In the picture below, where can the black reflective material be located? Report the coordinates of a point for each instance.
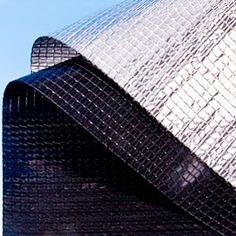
(58, 179)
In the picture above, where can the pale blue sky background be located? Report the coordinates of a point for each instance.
(22, 21)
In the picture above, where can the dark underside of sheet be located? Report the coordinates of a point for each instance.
(81, 158)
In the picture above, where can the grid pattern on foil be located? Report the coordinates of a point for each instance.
(177, 59)
(59, 180)
(149, 149)
(47, 52)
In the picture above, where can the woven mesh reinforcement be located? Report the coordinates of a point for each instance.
(177, 59)
(82, 157)
(34, 135)
(59, 180)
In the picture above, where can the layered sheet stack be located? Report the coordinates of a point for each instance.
(126, 125)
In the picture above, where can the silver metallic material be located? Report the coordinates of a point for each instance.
(177, 58)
